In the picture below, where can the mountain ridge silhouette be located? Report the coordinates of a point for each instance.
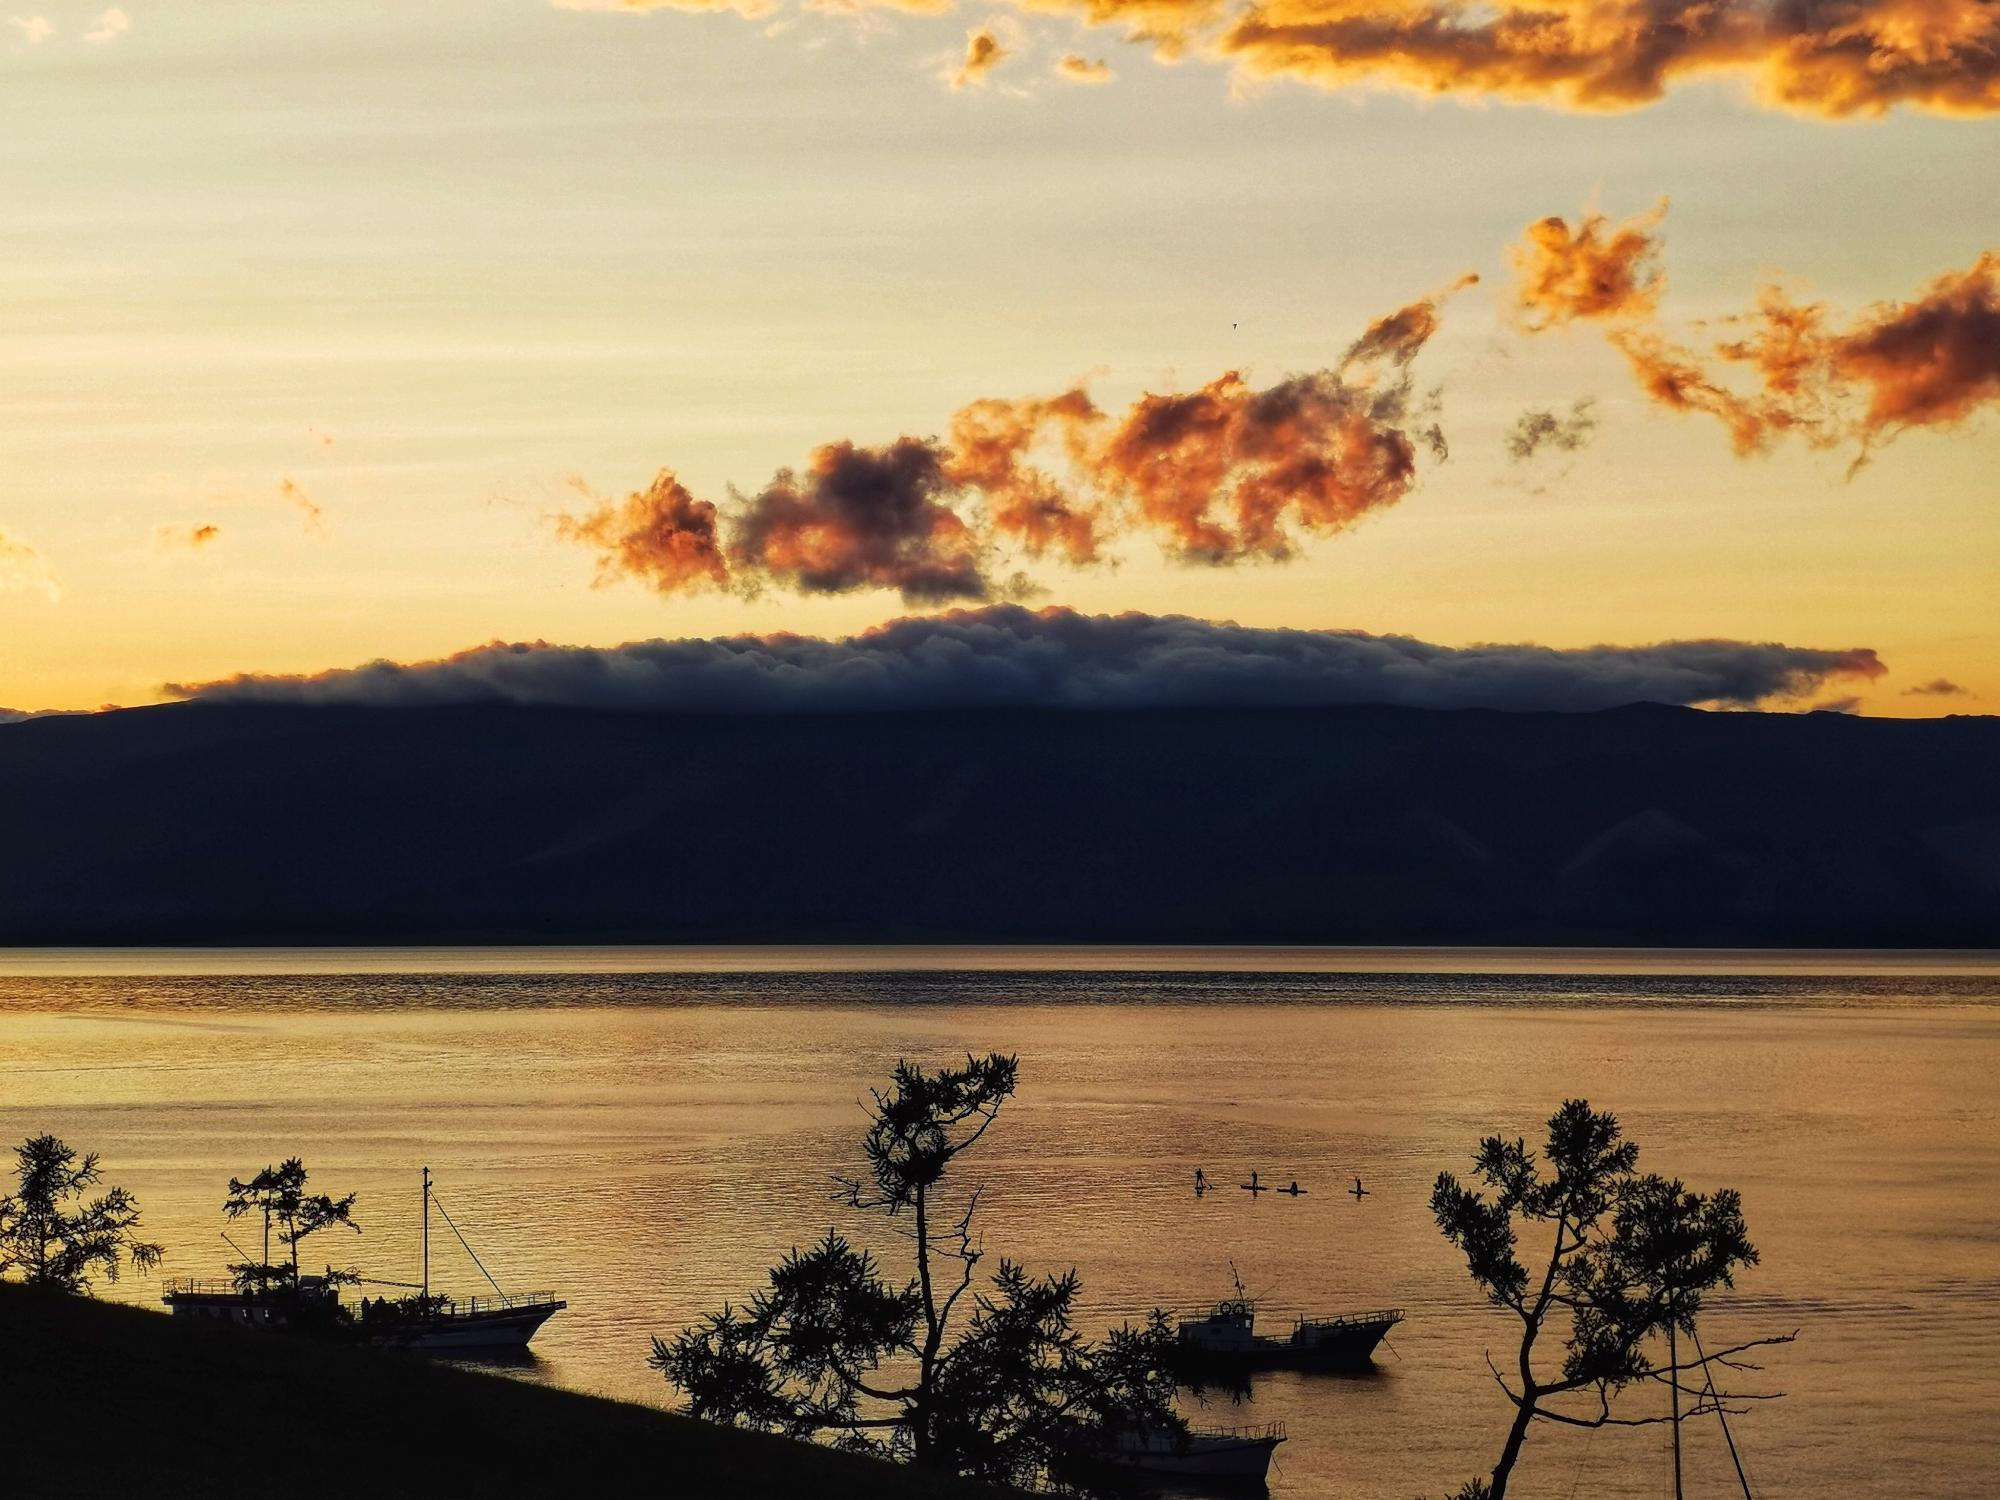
(1646, 825)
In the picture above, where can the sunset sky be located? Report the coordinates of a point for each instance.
(317, 321)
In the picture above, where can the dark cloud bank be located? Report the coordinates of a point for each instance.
(1009, 656)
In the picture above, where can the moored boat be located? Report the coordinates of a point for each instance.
(1239, 1453)
(424, 1321)
(436, 1322)
(504, 1323)
(1229, 1336)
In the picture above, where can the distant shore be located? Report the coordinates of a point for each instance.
(104, 1400)
(165, 960)
(1641, 826)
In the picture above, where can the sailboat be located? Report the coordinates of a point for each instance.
(439, 1322)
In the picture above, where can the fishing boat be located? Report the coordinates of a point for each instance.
(1228, 1336)
(1238, 1453)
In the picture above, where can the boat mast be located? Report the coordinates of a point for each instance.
(427, 1234)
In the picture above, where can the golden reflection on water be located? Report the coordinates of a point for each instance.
(646, 1151)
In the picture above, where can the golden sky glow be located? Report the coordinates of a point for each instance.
(319, 319)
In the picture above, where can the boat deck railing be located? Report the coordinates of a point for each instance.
(1353, 1320)
(465, 1307)
(174, 1287)
(196, 1286)
(1255, 1432)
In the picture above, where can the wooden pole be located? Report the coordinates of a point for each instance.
(427, 1238)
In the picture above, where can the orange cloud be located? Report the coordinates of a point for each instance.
(862, 518)
(307, 506)
(989, 441)
(661, 535)
(1594, 271)
(1831, 59)
(1932, 362)
(1074, 67)
(1398, 336)
(983, 53)
(1217, 475)
(1676, 378)
(194, 538)
(1228, 472)
(1824, 58)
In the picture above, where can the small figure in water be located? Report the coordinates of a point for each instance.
(1253, 1186)
(1294, 1190)
(1200, 1182)
(1358, 1191)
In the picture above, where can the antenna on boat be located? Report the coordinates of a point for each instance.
(427, 1234)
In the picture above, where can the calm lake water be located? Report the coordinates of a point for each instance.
(645, 1131)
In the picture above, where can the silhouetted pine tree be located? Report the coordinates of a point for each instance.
(832, 1349)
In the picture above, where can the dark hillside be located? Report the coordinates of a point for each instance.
(107, 1401)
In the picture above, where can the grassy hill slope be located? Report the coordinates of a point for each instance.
(103, 1400)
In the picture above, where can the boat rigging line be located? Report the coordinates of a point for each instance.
(1722, 1416)
(469, 1250)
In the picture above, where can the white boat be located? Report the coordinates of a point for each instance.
(1241, 1453)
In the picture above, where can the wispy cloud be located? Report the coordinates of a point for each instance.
(190, 538)
(1541, 430)
(984, 51)
(295, 495)
(23, 570)
(108, 27)
(1074, 67)
(1800, 370)
(35, 29)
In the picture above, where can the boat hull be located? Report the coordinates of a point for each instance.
(1346, 1344)
(1237, 1461)
(1232, 1453)
(502, 1328)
